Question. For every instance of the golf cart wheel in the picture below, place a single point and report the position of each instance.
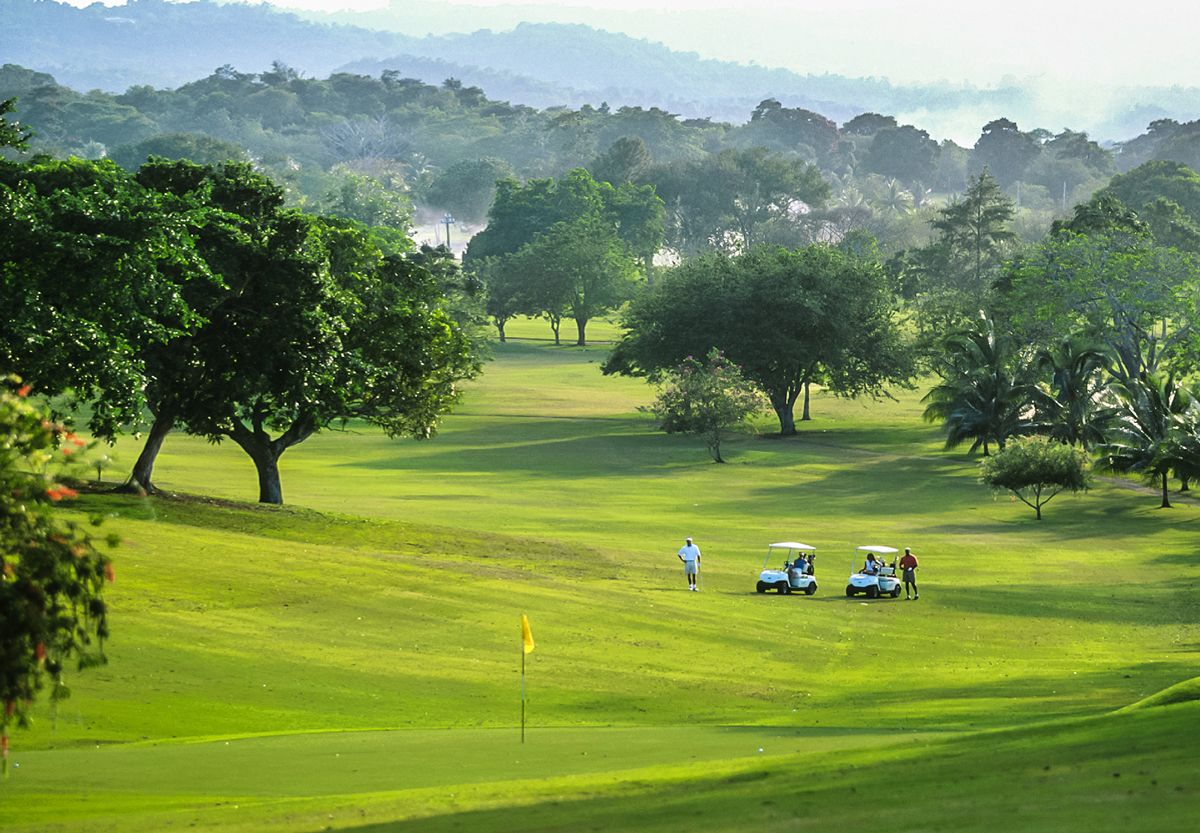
(896, 592)
(872, 592)
(760, 587)
(849, 590)
(812, 588)
(783, 588)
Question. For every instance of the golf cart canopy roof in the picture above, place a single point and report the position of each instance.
(789, 545)
(880, 550)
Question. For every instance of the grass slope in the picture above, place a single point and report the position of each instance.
(356, 655)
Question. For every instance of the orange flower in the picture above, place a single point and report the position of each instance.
(54, 495)
(109, 572)
(40, 652)
(24, 390)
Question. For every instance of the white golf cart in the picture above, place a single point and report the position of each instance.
(882, 583)
(792, 578)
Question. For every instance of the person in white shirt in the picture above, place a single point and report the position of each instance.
(689, 554)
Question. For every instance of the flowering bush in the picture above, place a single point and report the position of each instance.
(707, 399)
(51, 574)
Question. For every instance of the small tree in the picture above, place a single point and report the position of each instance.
(707, 399)
(51, 575)
(1035, 469)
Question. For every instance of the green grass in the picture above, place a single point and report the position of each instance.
(352, 660)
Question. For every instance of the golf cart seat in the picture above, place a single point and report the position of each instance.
(887, 571)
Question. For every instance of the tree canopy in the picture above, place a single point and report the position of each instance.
(1036, 469)
(789, 319)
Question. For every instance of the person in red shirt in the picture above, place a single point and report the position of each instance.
(908, 563)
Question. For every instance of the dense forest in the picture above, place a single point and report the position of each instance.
(372, 147)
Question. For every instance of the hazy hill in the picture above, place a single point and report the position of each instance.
(166, 44)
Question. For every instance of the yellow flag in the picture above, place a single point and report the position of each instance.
(526, 634)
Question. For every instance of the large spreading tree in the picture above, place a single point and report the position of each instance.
(97, 272)
(789, 319)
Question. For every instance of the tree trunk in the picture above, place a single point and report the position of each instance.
(1185, 483)
(581, 324)
(787, 420)
(804, 415)
(500, 328)
(1166, 499)
(555, 323)
(270, 489)
(141, 478)
(266, 452)
(265, 455)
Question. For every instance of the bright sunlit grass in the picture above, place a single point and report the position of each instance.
(351, 660)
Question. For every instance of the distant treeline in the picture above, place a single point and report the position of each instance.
(443, 146)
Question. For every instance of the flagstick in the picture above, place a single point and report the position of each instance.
(522, 692)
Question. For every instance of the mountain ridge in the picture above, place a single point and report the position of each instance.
(162, 44)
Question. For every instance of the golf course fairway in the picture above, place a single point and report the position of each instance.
(351, 661)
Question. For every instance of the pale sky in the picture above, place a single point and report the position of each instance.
(1146, 42)
(1068, 42)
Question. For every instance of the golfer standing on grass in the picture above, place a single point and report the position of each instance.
(908, 563)
(689, 554)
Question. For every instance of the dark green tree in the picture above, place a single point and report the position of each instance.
(521, 212)
(1148, 182)
(195, 147)
(984, 391)
(96, 272)
(623, 162)
(867, 124)
(324, 330)
(1074, 407)
(1150, 435)
(576, 270)
(975, 232)
(1004, 151)
(1142, 300)
(787, 318)
(905, 153)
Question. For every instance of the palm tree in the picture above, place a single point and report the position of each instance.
(1152, 431)
(979, 398)
(1073, 409)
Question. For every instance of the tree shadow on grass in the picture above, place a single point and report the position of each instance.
(559, 449)
(1115, 602)
(880, 485)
